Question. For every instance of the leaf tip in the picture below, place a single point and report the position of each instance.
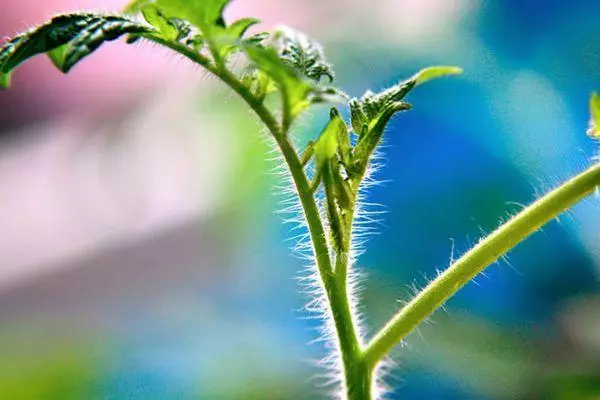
(57, 56)
(431, 73)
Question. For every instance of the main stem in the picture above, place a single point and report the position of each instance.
(479, 257)
(357, 374)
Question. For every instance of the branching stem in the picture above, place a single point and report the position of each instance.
(479, 257)
(359, 362)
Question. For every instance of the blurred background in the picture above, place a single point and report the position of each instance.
(141, 257)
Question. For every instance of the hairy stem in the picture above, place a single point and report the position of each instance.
(479, 257)
(357, 374)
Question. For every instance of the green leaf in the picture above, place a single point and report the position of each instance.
(371, 108)
(154, 16)
(367, 112)
(57, 56)
(430, 73)
(204, 14)
(4, 80)
(97, 32)
(238, 28)
(303, 54)
(326, 146)
(371, 113)
(295, 90)
(60, 30)
(594, 130)
(68, 38)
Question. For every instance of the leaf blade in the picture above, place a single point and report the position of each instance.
(66, 38)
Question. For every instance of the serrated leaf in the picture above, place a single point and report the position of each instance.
(74, 35)
(90, 38)
(594, 130)
(371, 113)
(303, 54)
(431, 73)
(58, 31)
(367, 111)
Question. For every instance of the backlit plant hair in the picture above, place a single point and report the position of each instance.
(328, 175)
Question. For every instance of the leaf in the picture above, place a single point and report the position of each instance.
(326, 146)
(366, 112)
(371, 113)
(157, 19)
(303, 54)
(97, 32)
(4, 80)
(294, 89)
(430, 73)
(238, 28)
(297, 65)
(68, 38)
(343, 136)
(204, 14)
(60, 30)
(257, 39)
(57, 56)
(229, 40)
(594, 130)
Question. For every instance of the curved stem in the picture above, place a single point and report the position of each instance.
(479, 257)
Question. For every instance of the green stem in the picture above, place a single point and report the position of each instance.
(357, 374)
(479, 257)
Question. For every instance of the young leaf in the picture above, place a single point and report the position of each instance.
(155, 17)
(430, 73)
(328, 151)
(229, 40)
(371, 114)
(326, 146)
(303, 54)
(294, 89)
(204, 14)
(594, 130)
(371, 107)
